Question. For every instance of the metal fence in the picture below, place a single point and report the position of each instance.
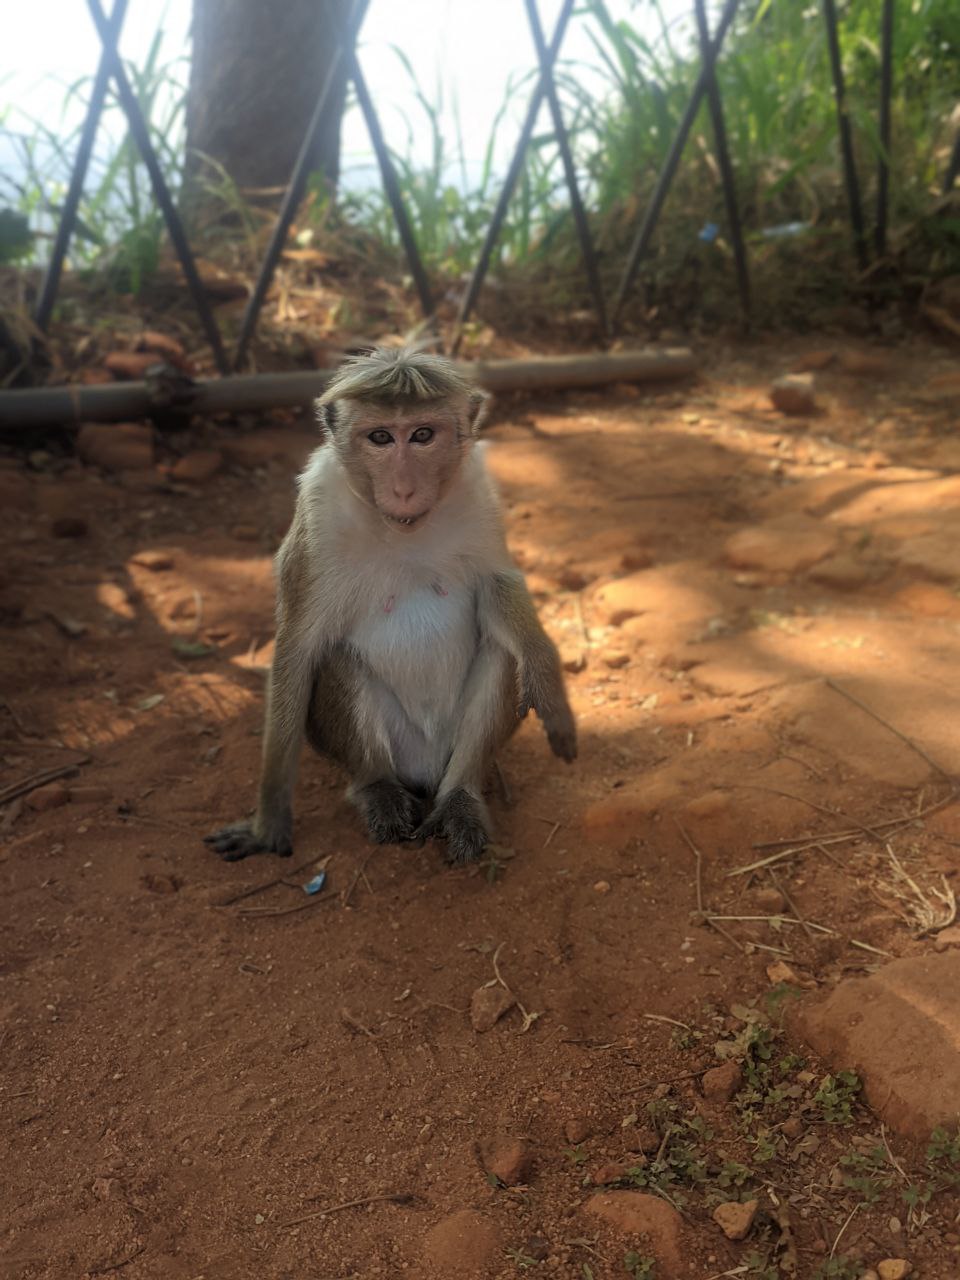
(608, 316)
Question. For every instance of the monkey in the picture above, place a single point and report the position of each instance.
(408, 648)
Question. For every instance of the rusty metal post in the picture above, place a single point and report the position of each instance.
(68, 215)
(563, 143)
(723, 162)
(141, 135)
(513, 173)
(645, 233)
(294, 192)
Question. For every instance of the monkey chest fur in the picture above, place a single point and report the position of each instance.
(418, 646)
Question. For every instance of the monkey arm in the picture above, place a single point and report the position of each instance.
(289, 689)
(507, 614)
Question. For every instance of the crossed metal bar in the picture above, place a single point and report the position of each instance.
(111, 66)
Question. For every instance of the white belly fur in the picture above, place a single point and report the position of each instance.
(419, 646)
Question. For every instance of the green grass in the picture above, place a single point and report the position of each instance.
(622, 106)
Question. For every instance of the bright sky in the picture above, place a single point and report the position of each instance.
(466, 48)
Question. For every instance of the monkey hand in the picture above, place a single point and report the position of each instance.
(241, 839)
(561, 731)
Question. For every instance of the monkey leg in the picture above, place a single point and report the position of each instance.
(347, 722)
(489, 717)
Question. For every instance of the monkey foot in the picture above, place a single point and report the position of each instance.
(239, 840)
(389, 810)
(459, 821)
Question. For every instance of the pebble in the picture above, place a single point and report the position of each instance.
(770, 900)
(869, 1275)
(52, 796)
(735, 1218)
(611, 1172)
(510, 1160)
(573, 660)
(577, 1129)
(614, 658)
(794, 394)
(721, 1083)
(893, 1269)
(602, 886)
(488, 1005)
(121, 446)
(197, 467)
(130, 366)
(463, 1244)
(156, 561)
(792, 1128)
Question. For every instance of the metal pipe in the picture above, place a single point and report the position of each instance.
(846, 137)
(71, 405)
(723, 161)
(651, 217)
(68, 214)
(391, 187)
(294, 192)
(506, 191)
(886, 93)
(570, 173)
(141, 136)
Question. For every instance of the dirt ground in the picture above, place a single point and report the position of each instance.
(192, 1076)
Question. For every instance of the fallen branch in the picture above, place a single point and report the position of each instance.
(39, 779)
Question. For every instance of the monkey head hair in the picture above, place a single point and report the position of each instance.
(402, 376)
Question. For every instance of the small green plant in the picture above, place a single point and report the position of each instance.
(576, 1155)
(869, 1173)
(839, 1269)
(523, 1260)
(837, 1095)
(639, 1268)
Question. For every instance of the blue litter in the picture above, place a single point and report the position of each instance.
(316, 884)
(709, 232)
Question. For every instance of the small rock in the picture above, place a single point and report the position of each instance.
(792, 1128)
(573, 660)
(102, 1188)
(635, 559)
(893, 1269)
(794, 394)
(197, 467)
(509, 1160)
(601, 886)
(121, 446)
(869, 1275)
(770, 901)
(464, 1244)
(488, 1005)
(156, 561)
(645, 1140)
(52, 796)
(735, 1218)
(573, 579)
(949, 937)
(577, 1129)
(611, 1172)
(69, 527)
(90, 795)
(614, 658)
(184, 607)
(721, 1083)
(635, 1213)
(130, 366)
(779, 971)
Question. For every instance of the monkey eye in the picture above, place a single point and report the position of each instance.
(422, 435)
(380, 437)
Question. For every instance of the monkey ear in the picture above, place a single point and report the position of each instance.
(326, 416)
(477, 405)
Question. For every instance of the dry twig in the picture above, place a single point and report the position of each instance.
(845, 693)
(396, 1197)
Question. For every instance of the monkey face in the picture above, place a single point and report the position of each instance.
(403, 460)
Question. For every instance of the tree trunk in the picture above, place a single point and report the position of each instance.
(257, 69)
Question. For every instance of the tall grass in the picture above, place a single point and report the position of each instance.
(622, 107)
